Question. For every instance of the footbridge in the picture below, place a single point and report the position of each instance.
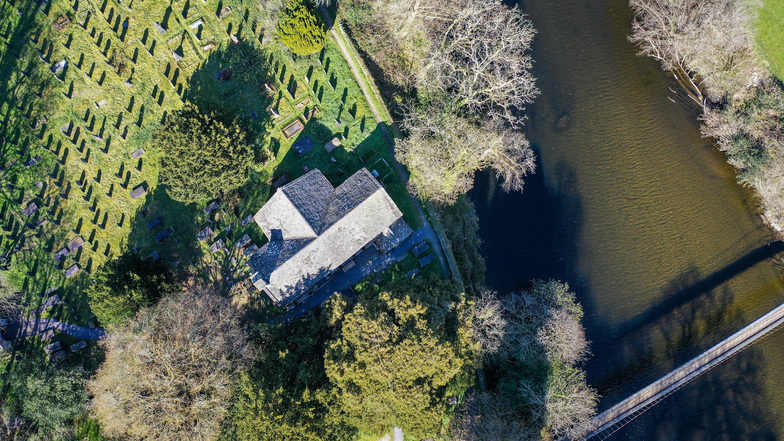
(611, 420)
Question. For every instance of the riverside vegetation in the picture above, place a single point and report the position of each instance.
(727, 54)
(457, 76)
(189, 356)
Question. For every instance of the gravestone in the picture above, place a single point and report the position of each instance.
(75, 244)
(57, 357)
(244, 240)
(71, 272)
(138, 192)
(161, 29)
(53, 347)
(217, 246)
(205, 233)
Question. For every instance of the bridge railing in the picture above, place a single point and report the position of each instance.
(614, 418)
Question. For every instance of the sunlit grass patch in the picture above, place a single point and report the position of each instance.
(770, 36)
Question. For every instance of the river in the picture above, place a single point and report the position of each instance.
(644, 219)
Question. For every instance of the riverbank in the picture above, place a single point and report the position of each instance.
(727, 52)
(634, 208)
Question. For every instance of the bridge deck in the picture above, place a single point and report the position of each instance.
(614, 417)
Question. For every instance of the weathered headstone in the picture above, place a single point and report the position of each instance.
(138, 192)
(217, 246)
(53, 347)
(78, 346)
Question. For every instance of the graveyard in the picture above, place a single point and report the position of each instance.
(83, 85)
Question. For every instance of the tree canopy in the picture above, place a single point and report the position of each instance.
(168, 373)
(47, 397)
(443, 152)
(532, 342)
(300, 28)
(398, 357)
(202, 155)
(125, 285)
(286, 395)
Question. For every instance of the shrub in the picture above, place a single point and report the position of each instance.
(300, 29)
(202, 155)
(125, 285)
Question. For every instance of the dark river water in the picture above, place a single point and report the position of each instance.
(645, 221)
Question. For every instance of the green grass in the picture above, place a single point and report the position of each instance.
(770, 36)
(86, 173)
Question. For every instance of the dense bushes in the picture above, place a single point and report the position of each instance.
(202, 155)
(125, 285)
(300, 28)
(47, 398)
(398, 355)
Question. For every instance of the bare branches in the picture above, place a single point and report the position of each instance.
(495, 420)
(563, 337)
(167, 374)
(478, 58)
(566, 404)
(709, 45)
(534, 330)
(708, 41)
(443, 151)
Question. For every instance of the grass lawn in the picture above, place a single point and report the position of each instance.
(770, 36)
(128, 64)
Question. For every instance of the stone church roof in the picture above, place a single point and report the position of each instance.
(314, 228)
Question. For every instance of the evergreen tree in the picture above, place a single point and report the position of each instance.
(202, 155)
(126, 284)
(300, 28)
(400, 355)
(48, 397)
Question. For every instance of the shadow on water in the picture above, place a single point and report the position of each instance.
(738, 404)
(680, 295)
(530, 231)
(641, 357)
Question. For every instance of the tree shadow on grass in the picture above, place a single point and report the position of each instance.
(180, 247)
(231, 83)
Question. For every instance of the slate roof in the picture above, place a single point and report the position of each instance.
(392, 236)
(314, 228)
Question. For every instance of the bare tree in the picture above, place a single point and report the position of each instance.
(566, 404)
(490, 417)
(168, 373)
(478, 57)
(563, 337)
(707, 43)
(489, 324)
(443, 151)
(10, 304)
